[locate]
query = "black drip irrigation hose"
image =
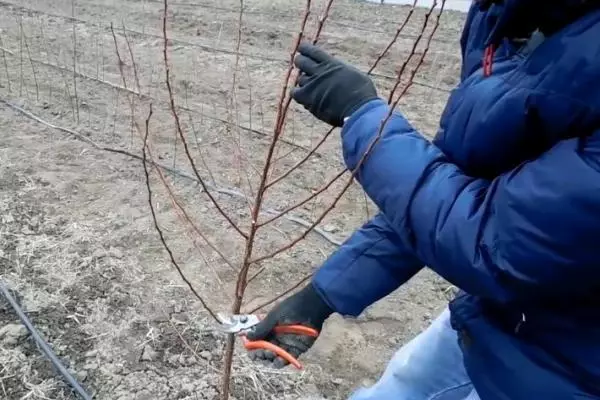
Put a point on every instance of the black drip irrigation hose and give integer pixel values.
(43, 346)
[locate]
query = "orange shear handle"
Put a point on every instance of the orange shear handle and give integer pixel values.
(296, 330)
(281, 330)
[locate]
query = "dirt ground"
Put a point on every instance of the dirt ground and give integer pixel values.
(77, 242)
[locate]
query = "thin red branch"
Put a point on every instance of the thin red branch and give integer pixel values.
(37, 88)
(282, 114)
(256, 274)
(424, 54)
(202, 159)
(135, 73)
(182, 212)
(395, 38)
(75, 60)
(306, 200)
(303, 160)
(285, 98)
(186, 217)
(288, 98)
(238, 43)
(413, 50)
(120, 62)
(159, 230)
(322, 19)
(180, 130)
(312, 226)
(239, 154)
(5, 64)
(59, 67)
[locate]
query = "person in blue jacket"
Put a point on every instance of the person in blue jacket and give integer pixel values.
(504, 204)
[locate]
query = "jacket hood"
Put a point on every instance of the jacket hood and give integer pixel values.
(520, 18)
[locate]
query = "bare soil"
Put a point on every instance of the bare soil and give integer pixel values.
(77, 243)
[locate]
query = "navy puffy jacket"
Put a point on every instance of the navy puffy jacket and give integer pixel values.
(504, 204)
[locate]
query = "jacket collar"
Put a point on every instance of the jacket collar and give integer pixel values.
(520, 18)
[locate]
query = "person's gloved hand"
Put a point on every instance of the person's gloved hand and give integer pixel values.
(329, 88)
(304, 308)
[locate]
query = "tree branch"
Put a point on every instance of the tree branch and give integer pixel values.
(37, 88)
(180, 130)
(181, 211)
(395, 38)
(135, 73)
(282, 112)
(159, 230)
(306, 200)
(322, 19)
(5, 63)
(75, 59)
(414, 50)
(186, 216)
(120, 62)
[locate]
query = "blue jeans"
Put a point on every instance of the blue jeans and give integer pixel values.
(429, 367)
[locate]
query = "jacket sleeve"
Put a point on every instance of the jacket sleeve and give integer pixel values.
(529, 233)
(368, 266)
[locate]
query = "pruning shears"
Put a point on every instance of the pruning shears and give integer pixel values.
(241, 324)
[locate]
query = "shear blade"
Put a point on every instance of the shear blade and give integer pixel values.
(237, 323)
